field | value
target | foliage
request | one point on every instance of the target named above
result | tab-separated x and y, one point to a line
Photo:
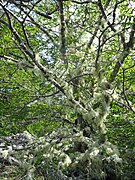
70	64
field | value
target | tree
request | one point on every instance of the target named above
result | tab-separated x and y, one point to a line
80	51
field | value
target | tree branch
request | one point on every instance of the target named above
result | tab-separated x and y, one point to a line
62	32
126	50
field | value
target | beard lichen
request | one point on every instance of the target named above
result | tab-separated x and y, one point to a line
70	153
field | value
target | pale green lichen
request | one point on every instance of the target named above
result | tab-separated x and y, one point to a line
68	152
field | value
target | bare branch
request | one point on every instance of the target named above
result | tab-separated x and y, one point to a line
43	14
15	33
126	50
123	91
105	16
62	32
43	30
131	41
85	2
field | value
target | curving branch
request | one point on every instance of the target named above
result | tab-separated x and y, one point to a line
124	93
126	50
105	16
97	26
15	33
